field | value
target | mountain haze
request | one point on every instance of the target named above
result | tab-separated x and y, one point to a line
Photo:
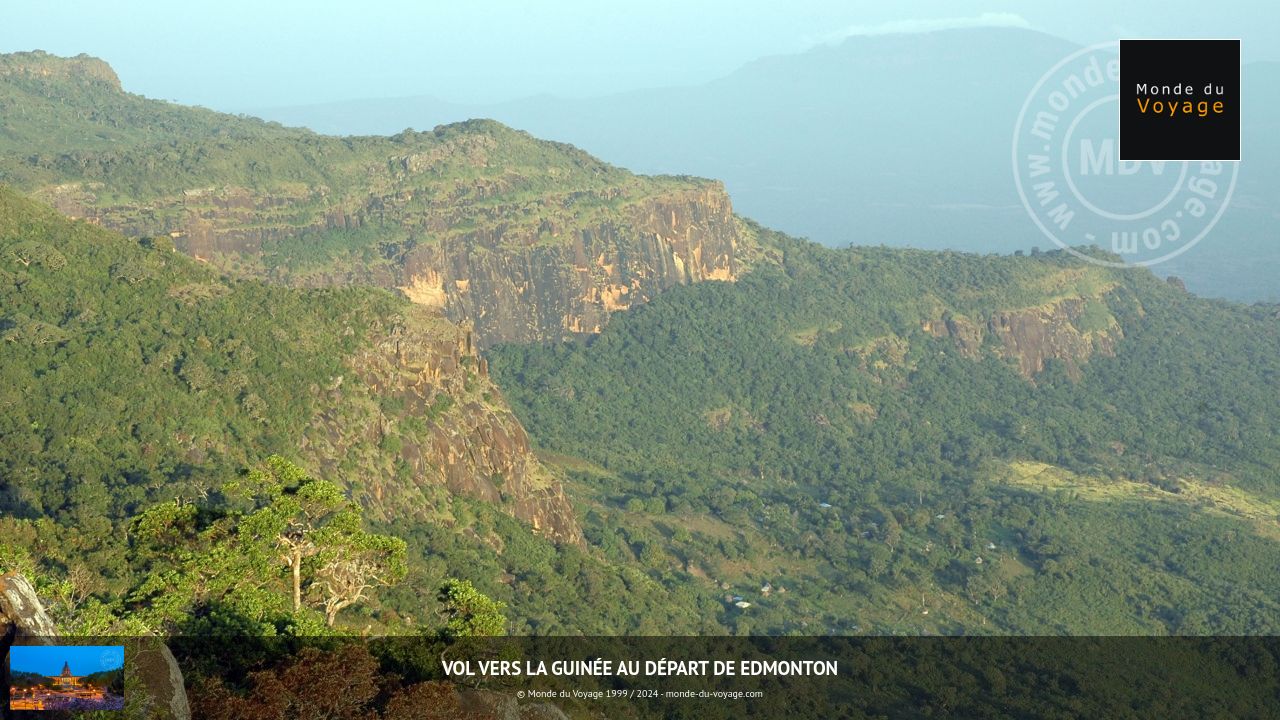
899	139
523	238
505	353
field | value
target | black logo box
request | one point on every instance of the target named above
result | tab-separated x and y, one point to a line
1185	67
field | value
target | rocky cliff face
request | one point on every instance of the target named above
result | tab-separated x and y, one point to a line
39	65
1070	330
528	240
515	281
517	286
420	405
21	613
387	397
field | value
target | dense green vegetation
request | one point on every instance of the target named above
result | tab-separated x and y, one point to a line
128	367
319	207
799	429
133	378
864	440
69	120
842	442
796	431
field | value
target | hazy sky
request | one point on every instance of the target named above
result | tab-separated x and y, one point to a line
242	54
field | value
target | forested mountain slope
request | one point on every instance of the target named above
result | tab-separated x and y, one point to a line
133	377
527	239
862	440
932	442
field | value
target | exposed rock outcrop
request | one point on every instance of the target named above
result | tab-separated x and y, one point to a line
1055	332
1058	330
438	422
525	252
153	669
967	334
515	287
43	66
21	613
516	281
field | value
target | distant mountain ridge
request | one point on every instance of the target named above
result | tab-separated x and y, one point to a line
897	139
525	239
859	440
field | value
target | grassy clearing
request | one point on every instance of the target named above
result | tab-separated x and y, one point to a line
1261	512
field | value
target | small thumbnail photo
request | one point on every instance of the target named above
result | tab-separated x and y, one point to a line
66	677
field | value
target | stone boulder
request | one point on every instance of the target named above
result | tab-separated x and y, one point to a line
21	614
